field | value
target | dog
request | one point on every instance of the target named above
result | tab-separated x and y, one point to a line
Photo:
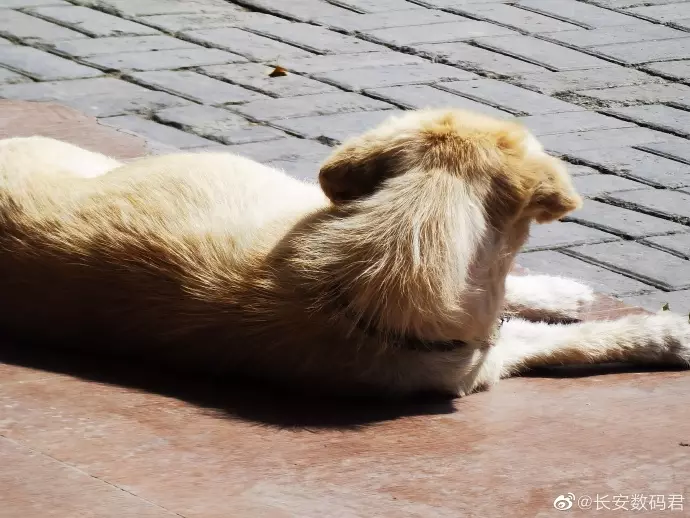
391	276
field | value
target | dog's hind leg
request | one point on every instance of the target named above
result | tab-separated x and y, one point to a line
661	339
44	178
545	298
26	157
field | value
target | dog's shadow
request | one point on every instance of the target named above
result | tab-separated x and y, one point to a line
258	401
597	369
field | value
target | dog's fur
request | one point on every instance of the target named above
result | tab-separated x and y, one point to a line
215	261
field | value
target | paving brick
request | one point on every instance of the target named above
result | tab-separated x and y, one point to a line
645	51
677	70
477	59
578	12
678	244
549	55
640	94
580	170
116	45
377	6
552	82
442	32
508	97
334	128
303	10
658	116
318	64
571	122
156	132
560	235
57	90
663	13
185	22
647	264
285	150
672	147
42	65
622	222
600	139
92	22
638	165
659	202
642	31
683	24
620	4
30	28
316	39
516	18
452	4
247	44
102	97
9	77
355	22
196	87
18	4
310	106
600	279
163	59
130	8
593	185
678	301
424	96
370	77
256	77
217	124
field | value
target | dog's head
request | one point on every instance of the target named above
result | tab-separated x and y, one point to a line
487	179
498	159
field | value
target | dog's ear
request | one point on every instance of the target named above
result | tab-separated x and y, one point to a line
359	167
554	195
422	140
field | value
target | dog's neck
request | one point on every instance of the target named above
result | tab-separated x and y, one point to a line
365	327
394	264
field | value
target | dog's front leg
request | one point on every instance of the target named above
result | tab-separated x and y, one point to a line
662	339
545	298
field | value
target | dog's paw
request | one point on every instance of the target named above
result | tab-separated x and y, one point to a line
674	331
663	338
545	297
566	293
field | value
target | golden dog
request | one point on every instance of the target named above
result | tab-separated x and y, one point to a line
392	277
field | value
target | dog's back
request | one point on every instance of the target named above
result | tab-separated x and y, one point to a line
153	252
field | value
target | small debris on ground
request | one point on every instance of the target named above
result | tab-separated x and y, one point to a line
278	72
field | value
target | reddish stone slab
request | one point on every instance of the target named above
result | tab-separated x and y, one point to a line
34	484
24	119
203	449
17	374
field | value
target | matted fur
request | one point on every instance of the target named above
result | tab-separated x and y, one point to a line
214	261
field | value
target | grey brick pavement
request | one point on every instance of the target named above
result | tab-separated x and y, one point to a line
91	22
162	59
604	83
216	123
